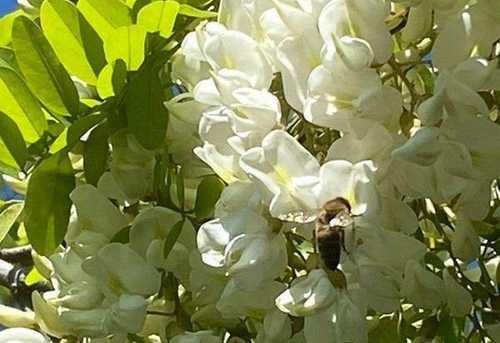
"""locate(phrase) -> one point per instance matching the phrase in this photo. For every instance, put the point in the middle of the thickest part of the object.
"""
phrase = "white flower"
(12, 317)
(286, 170)
(356, 25)
(422, 287)
(252, 260)
(215, 235)
(353, 182)
(458, 298)
(196, 337)
(107, 267)
(307, 295)
(235, 50)
(350, 324)
(334, 96)
(276, 328)
(235, 302)
(22, 335)
(465, 242)
(96, 212)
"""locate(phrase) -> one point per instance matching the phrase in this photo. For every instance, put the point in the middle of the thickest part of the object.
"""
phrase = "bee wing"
(299, 217)
(343, 219)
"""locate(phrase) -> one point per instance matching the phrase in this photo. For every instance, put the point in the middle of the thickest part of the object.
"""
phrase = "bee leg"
(342, 240)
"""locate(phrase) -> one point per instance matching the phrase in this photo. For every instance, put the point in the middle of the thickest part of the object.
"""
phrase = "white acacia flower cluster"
(333, 61)
(293, 103)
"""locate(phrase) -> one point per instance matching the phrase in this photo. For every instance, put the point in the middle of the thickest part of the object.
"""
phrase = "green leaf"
(159, 16)
(20, 105)
(105, 15)
(386, 331)
(95, 154)
(8, 217)
(123, 236)
(13, 140)
(128, 44)
(8, 164)
(6, 27)
(450, 329)
(70, 136)
(33, 277)
(208, 193)
(48, 205)
(112, 79)
(191, 11)
(75, 42)
(146, 114)
(8, 59)
(172, 237)
(43, 72)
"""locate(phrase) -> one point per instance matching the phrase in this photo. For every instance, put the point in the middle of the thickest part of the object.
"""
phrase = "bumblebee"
(335, 215)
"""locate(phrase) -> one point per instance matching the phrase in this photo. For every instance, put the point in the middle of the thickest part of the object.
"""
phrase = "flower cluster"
(390, 105)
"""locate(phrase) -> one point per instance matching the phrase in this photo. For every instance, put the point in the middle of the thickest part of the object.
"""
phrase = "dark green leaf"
(172, 237)
(105, 15)
(13, 140)
(75, 42)
(82, 126)
(207, 195)
(20, 105)
(450, 329)
(146, 114)
(43, 72)
(70, 136)
(47, 206)
(386, 331)
(179, 186)
(8, 164)
(123, 236)
(95, 154)
(8, 59)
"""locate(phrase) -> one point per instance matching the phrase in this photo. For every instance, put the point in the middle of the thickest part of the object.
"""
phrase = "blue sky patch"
(7, 6)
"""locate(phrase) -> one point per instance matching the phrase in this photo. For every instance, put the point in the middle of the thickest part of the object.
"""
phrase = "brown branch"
(21, 255)
(13, 277)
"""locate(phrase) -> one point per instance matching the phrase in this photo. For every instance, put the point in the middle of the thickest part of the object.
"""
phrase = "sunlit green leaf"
(43, 72)
(95, 154)
(75, 42)
(47, 206)
(159, 16)
(105, 16)
(194, 12)
(8, 217)
(20, 105)
(128, 44)
(207, 195)
(6, 27)
(13, 140)
(33, 277)
(112, 79)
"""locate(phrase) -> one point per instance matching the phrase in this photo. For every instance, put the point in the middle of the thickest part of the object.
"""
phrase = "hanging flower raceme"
(389, 108)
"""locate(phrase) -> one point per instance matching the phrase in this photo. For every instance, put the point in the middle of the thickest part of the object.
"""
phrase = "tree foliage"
(174, 157)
